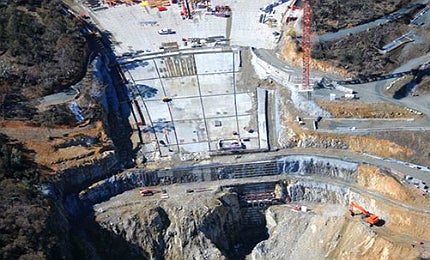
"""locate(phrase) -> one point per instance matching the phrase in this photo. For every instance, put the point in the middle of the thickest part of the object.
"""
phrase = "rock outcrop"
(205, 228)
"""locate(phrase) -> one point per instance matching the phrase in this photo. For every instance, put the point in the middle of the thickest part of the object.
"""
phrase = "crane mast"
(306, 47)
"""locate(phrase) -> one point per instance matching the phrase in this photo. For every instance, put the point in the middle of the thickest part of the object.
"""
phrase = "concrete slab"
(135, 28)
(184, 109)
(209, 63)
(246, 30)
(195, 147)
(204, 108)
(141, 69)
(251, 143)
(219, 106)
(190, 131)
(248, 126)
(181, 87)
(144, 23)
(216, 84)
(158, 110)
(244, 103)
(225, 131)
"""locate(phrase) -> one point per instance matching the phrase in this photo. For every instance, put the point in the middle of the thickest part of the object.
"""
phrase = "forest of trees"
(42, 51)
(332, 15)
(26, 229)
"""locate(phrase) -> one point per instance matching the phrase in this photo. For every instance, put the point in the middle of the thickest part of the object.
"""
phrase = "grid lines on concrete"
(192, 113)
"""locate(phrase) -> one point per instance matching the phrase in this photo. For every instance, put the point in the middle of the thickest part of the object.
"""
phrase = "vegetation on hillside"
(364, 58)
(41, 52)
(332, 15)
(26, 229)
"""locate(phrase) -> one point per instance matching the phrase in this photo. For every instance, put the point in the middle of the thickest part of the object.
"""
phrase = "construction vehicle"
(370, 218)
(146, 192)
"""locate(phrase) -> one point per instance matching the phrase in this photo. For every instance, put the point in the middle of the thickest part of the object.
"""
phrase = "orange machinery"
(370, 218)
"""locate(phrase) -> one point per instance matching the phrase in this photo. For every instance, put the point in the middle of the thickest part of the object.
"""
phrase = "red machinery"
(306, 45)
(370, 218)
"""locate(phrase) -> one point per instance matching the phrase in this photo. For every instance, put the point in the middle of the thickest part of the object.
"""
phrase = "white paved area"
(135, 28)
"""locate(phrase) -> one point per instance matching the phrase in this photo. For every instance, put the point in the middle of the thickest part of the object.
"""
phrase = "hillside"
(41, 52)
(335, 15)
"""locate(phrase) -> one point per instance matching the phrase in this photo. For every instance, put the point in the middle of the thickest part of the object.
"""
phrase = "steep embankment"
(325, 232)
(192, 227)
(42, 52)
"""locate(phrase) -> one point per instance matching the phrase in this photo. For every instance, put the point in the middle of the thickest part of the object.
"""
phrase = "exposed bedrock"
(316, 165)
(317, 192)
(211, 226)
(176, 230)
(294, 165)
(238, 221)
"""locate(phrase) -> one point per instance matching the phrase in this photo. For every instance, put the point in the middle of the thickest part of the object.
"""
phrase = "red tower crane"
(306, 46)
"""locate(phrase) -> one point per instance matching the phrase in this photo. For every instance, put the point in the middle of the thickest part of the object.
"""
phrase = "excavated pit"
(237, 221)
(217, 212)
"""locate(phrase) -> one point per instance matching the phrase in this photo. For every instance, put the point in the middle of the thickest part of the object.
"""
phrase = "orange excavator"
(370, 218)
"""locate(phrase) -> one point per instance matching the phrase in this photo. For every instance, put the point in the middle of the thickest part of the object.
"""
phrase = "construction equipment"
(370, 218)
(146, 192)
(306, 47)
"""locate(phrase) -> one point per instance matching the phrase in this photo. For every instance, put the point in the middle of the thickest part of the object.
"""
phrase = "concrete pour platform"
(203, 103)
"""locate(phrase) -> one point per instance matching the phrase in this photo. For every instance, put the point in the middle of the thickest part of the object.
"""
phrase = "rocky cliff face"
(313, 191)
(291, 165)
(314, 165)
(201, 228)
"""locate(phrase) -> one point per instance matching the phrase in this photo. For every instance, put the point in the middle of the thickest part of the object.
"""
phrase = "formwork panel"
(176, 66)
(187, 108)
(220, 62)
(216, 84)
(217, 106)
(181, 87)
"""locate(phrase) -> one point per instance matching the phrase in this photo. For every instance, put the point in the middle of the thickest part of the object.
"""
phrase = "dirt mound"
(375, 179)
(360, 144)
(356, 109)
(59, 146)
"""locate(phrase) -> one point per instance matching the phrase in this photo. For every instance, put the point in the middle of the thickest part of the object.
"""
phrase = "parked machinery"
(370, 218)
